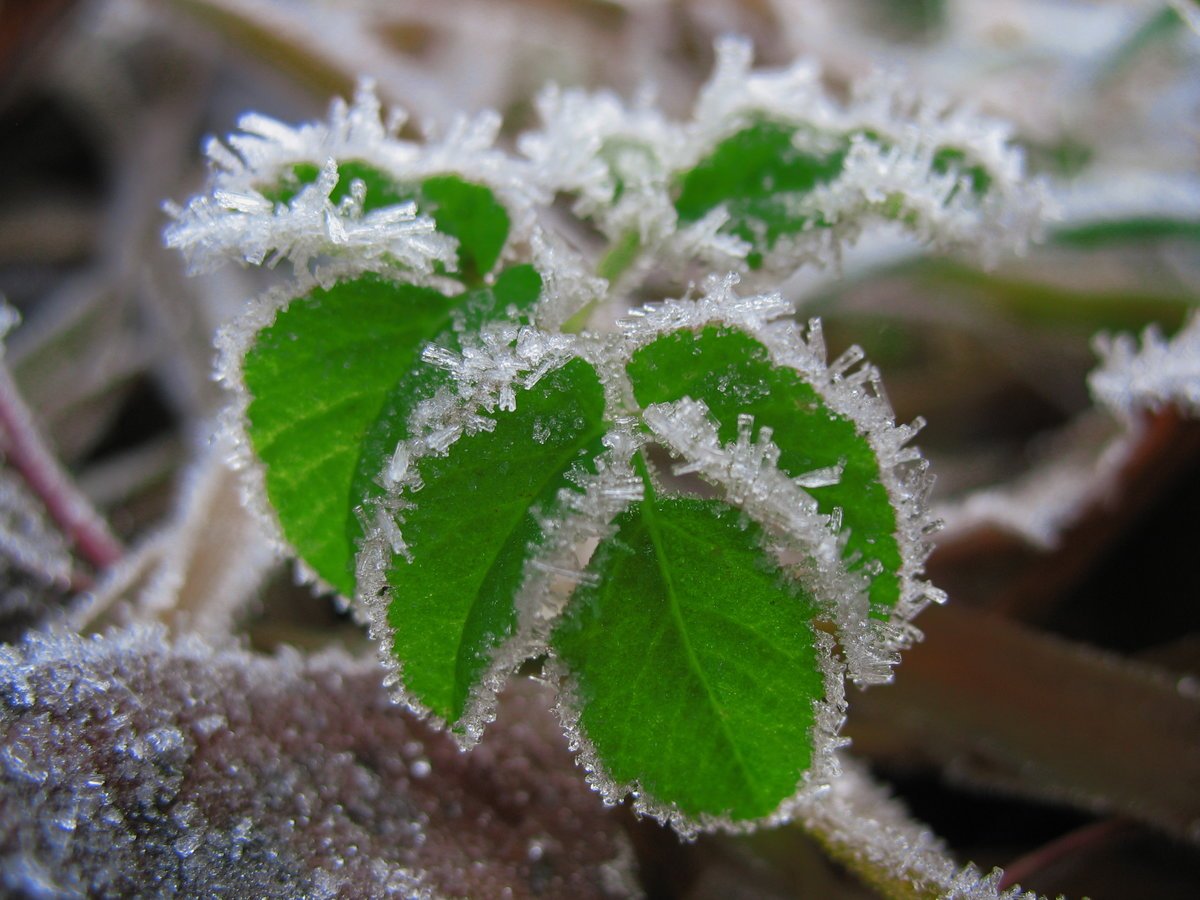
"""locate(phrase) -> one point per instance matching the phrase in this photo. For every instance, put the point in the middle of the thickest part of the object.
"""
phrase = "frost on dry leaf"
(1158, 373)
(133, 763)
(1082, 467)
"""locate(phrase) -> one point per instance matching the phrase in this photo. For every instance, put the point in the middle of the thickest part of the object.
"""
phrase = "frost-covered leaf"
(330, 385)
(133, 766)
(514, 293)
(733, 374)
(695, 675)
(467, 212)
(350, 188)
(772, 172)
(765, 391)
(755, 175)
(443, 591)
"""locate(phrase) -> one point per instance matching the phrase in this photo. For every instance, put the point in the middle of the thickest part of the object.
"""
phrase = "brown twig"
(27, 452)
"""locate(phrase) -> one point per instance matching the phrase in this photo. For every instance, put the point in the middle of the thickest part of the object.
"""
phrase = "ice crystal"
(133, 764)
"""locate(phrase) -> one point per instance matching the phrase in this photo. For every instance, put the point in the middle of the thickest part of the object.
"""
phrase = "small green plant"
(549, 407)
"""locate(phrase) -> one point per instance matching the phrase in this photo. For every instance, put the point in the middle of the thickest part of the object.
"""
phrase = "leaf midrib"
(653, 527)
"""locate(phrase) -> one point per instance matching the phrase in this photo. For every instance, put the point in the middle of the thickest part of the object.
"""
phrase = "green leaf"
(317, 377)
(471, 213)
(324, 376)
(757, 173)
(732, 373)
(462, 209)
(514, 294)
(473, 530)
(951, 159)
(693, 662)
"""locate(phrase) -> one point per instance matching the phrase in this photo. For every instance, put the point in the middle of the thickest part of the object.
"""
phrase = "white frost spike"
(735, 93)
(493, 364)
(718, 303)
(588, 143)
(589, 514)
(568, 284)
(1154, 375)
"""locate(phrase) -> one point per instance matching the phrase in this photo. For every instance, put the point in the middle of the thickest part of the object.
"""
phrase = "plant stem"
(620, 256)
(28, 453)
(863, 828)
(617, 258)
(1091, 837)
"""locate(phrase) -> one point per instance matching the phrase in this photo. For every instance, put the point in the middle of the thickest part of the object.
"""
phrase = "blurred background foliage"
(1050, 722)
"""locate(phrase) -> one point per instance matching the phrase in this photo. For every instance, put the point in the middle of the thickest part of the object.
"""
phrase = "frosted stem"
(27, 452)
(870, 833)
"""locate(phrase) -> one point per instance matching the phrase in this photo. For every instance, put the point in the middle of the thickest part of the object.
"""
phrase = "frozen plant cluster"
(949, 176)
(546, 354)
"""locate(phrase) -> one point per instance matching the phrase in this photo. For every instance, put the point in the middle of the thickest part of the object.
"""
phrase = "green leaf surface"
(475, 526)
(317, 377)
(757, 173)
(471, 213)
(693, 661)
(732, 373)
(513, 295)
(462, 209)
(334, 363)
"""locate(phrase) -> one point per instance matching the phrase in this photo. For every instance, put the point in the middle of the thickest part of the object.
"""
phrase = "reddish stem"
(1089, 837)
(27, 452)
